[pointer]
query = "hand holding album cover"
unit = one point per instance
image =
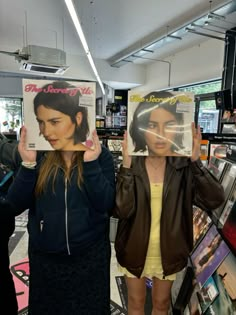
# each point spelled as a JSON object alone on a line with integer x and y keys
{"x": 160, "y": 123}
{"x": 59, "y": 115}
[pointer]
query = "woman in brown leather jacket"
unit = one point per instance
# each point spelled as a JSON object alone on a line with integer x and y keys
{"x": 154, "y": 200}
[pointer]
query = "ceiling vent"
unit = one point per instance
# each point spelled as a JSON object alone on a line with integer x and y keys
{"x": 43, "y": 59}
{"x": 33, "y": 67}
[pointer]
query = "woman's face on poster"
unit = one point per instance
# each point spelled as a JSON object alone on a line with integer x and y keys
{"x": 160, "y": 132}
{"x": 57, "y": 127}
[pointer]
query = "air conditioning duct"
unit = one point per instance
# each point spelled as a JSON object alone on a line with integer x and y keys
{"x": 43, "y": 59}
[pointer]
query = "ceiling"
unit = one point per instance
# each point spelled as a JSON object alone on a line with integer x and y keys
{"x": 113, "y": 28}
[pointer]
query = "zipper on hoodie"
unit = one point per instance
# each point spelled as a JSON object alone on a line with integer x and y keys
{"x": 66, "y": 218}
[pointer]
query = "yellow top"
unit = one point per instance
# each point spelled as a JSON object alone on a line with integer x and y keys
{"x": 153, "y": 265}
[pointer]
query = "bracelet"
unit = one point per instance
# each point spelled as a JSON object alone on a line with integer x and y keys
{"x": 30, "y": 165}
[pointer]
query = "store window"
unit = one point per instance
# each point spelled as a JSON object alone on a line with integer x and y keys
{"x": 208, "y": 115}
{"x": 10, "y": 116}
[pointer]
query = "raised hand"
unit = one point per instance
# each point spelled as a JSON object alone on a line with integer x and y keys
{"x": 126, "y": 157}
{"x": 197, "y": 137}
{"x": 28, "y": 156}
{"x": 91, "y": 155}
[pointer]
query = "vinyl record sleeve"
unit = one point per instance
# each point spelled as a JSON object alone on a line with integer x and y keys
{"x": 204, "y": 148}
{"x": 218, "y": 150}
{"x": 201, "y": 223}
{"x": 207, "y": 294}
{"x": 225, "y": 213}
{"x": 229, "y": 229}
{"x": 229, "y": 128}
{"x": 84, "y": 95}
{"x": 194, "y": 303}
{"x": 228, "y": 183}
{"x": 227, "y": 272}
{"x": 217, "y": 167}
{"x": 160, "y": 122}
{"x": 208, "y": 255}
{"x": 222, "y": 303}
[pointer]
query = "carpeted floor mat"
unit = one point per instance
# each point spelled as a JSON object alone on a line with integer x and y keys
{"x": 20, "y": 272}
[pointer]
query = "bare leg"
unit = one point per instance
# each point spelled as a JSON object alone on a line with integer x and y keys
{"x": 161, "y": 296}
{"x": 136, "y": 295}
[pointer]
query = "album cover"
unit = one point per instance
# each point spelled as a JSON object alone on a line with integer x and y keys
{"x": 222, "y": 305}
{"x": 208, "y": 255}
{"x": 228, "y": 207}
{"x": 205, "y": 163}
{"x": 59, "y": 115}
{"x": 114, "y": 145}
{"x": 194, "y": 303}
{"x": 207, "y": 294}
{"x": 217, "y": 167}
{"x": 201, "y": 223}
{"x": 218, "y": 150}
{"x": 228, "y": 182}
{"x": 229, "y": 128}
{"x": 160, "y": 123}
{"x": 229, "y": 116}
{"x": 204, "y": 149}
{"x": 225, "y": 213}
{"x": 227, "y": 272}
{"x": 229, "y": 229}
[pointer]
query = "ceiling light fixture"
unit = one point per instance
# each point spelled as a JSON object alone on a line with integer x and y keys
{"x": 215, "y": 16}
{"x": 173, "y": 36}
{"x": 220, "y": 13}
{"x": 75, "y": 19}
{"x": 203, "y": 34}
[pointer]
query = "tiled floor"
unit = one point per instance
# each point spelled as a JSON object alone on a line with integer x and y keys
{"x": 18, "y": 252}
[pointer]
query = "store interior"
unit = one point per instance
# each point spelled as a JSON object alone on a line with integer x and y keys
{"x": 182, "y": 46}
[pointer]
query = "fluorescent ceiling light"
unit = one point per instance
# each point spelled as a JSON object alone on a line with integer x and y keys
{"x": 203, "y": 34}
{"x": 219, "y": 14}
{"x": 75, "y": 19}
{"x": 212, "y": 15}
{"x": 174, "y": 36}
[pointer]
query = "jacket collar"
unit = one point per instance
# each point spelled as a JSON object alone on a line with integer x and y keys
{"x": 175, "y": 161}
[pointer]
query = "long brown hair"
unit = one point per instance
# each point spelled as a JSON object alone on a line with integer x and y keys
{"x": 50, "y": 166}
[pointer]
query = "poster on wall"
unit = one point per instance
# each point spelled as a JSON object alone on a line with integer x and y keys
{"x": 160, "y": 123}
{"x": 59, "y": 115}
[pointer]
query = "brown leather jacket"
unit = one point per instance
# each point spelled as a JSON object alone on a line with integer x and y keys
{"x": 185, "y": 184}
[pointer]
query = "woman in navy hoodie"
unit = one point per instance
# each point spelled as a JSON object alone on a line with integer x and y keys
{"x": 69, "y": 195}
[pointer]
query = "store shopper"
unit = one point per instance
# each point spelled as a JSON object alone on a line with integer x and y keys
{"x": 7, "y": 287}
{"x": 69, "y": 195}
{"x": 154, "y": 200}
